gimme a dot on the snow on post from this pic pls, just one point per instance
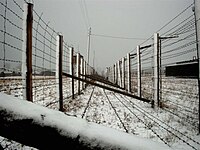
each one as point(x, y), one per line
point(27, 52)
point(59, 51)
point(45, 128)
point(139, 71)
point(156, 68)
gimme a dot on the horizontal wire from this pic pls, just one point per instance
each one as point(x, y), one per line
point(11, 11)
point(11, 22)
point(11, 46)
point(11, 35)
point(18, 6)
point(10, 60)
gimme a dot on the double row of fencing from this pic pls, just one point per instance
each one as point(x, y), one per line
point(52, 71)
point(32, 43)
point(45, 58)
point(164, 68)
point(34, 57)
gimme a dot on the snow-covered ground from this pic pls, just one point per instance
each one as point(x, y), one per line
point(87, 134)
point(175, 125)
point(138, 118)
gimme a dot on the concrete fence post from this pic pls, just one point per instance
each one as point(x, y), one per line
point(59, 53)
point(156, 69)
point(72, 69)
point(129, 72)
point(78, 72)
point(139, 71)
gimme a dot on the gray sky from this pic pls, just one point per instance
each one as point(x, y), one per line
point(121, 18)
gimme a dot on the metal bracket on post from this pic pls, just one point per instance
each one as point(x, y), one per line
point(139, 71)
point(59, 53)
point(27, 51)
point(78, 72)
point(156, 69)
point(72, 69)
point(129, 72)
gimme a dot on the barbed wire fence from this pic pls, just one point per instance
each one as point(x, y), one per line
point(143, 72)
point(42, 83)
point(164, 69)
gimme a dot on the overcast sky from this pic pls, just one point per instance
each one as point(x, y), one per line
point(121, 18)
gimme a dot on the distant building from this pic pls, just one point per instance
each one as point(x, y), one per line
point(184, 69)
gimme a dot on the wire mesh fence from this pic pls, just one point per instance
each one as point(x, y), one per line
point(165, 69)
point(44, 45)
point(45, 83)
point(11, 47)
point(178, 93)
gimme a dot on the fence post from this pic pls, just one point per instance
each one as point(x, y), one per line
point(197, 25)
point(119, 73)
point(116, 74)
point(156, 68)
point(27, 51)
point(72, 69)
point(129, 72)
point(85, 68)
point(59, 53)
point(82, 70)
point(78, 72)
point(139, 71)
point(120, 65)
point(123, 73)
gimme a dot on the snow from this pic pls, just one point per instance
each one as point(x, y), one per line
point(71, 126)
point(100, 111)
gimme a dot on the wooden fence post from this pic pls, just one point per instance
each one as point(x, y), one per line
point(72, 69)
point(78, 72)
point(139, 71)
point(156, 68)
point(59, 53)
point(27, 51)
point(129, 72)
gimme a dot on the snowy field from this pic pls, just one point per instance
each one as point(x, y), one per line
point(176, 124)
